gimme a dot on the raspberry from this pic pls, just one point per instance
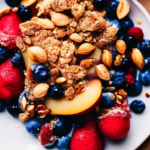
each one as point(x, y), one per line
point(131, 70)
point(137, 33)
point(129, 79)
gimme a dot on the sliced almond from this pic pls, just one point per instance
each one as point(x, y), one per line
point(40, 90)
point(123, 9)
point(45, 22)
point(59, 19)
point(29, 75)
point(76, 37)
point(24, 116)
point(85, 49)
point(121, 46)
point(24, 103)
point(103, 72)
point(107, 58)
point(60, 80)
point(138, 58)
point(38, 54)
point(5, 12)
point(27, 2)
point(30, 110)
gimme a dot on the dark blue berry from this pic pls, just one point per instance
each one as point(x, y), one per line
point(118, 80)
point(144, 77)
point(25, 13)
point(64, 143)
point(111, 9)
point(62, 126)
point(33, 126)
point(108, 100)
point(2, 105)
point(135, 89)
point(13, 3)
point(33, 66)
point(56, 91)
point(147, 63)
point(17, 59)
point(130, 41)
point(127, 23)
point(79, 120)
point(137, 106)
point(51, 145)
point(100, 4)
point(41, 73)
point(13, 108)
point(3, 54)
point(125, 64)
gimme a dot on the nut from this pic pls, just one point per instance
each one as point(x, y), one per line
point(59, 19)
point(40, 90)
point(121, 46)
point(119, 99)
point(138, 58)
point(27, 2)
point(107, 58)
point(30, 110)
point(29, 75)
point(60, 80)
point(38, 54)
point(123, 9)
point(42, 110)
point(85, 49)
point(24, 116)
point(24, 103)
point(76, 37)
point(102, 72)
point(122, 93)
point(118, 60)
point(46, 23)
point(5, 12)
point(110, 89)
point(87, 63)
point(15, 9)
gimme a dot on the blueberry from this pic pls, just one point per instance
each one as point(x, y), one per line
point(22, 94)
point(56, 91)
point(137, 106)
point(17, 59)
point(25, 13)
point(130, 41)
point(125, 63)
point(3, 54)
point(117, 23)
point(127, 23)
point(62, 125)
point(33, 66)
point(51, 145)
point(147, 63)
point(135, 89)
point(41, 73)
point(2, 105)
point(118, 80)
point(111, 9)
point(13, 108)
point(144, 47)
point(100, 4)
point(33, 126)
point(13, 3)
point(64, 143)
point(79, 120)
point(144, 77)
point(108, 100)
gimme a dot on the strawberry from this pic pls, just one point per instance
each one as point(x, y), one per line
point(87, 138)
point(114, 122)
point(137, 33)
point(11, 80)
point(45, 134)
point(9, 30)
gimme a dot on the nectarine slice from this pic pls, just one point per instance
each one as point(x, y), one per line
point(82, 103)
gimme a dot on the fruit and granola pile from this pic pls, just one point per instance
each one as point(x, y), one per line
point(72, 63)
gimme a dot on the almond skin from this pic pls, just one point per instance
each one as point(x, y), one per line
point(121, 46)
point(76, 37)
point(123, 9)
point(138, 58)
point(59, 19)
point(103, 72)
point(27, 2)
point(85, 49)
point(107, 58)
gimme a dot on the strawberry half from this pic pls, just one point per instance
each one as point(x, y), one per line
point(88, 137)
point(114, 122)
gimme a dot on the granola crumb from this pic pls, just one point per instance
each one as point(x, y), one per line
point(70, 93)
point(139, 22)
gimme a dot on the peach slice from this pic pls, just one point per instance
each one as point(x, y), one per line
point(82, 103)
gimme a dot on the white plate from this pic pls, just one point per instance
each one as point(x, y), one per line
point(19, 139)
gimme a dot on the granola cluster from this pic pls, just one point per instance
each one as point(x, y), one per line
point(59, 29)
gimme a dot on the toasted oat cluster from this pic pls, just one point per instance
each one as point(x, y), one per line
point(60, 28)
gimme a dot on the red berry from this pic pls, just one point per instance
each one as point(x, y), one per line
point(137, 33)
point(129, 79)
point(131, 70)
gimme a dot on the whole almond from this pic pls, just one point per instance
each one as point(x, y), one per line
point(103, 72)
point(123, 9)
point(29, 74)
point(107, 58)
point(138, 58)
point(85, 49)
point(38, 54)
point(59, 19)
point(76, 37)
point(40, 90)
point(121, 46)
point(24, 116)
